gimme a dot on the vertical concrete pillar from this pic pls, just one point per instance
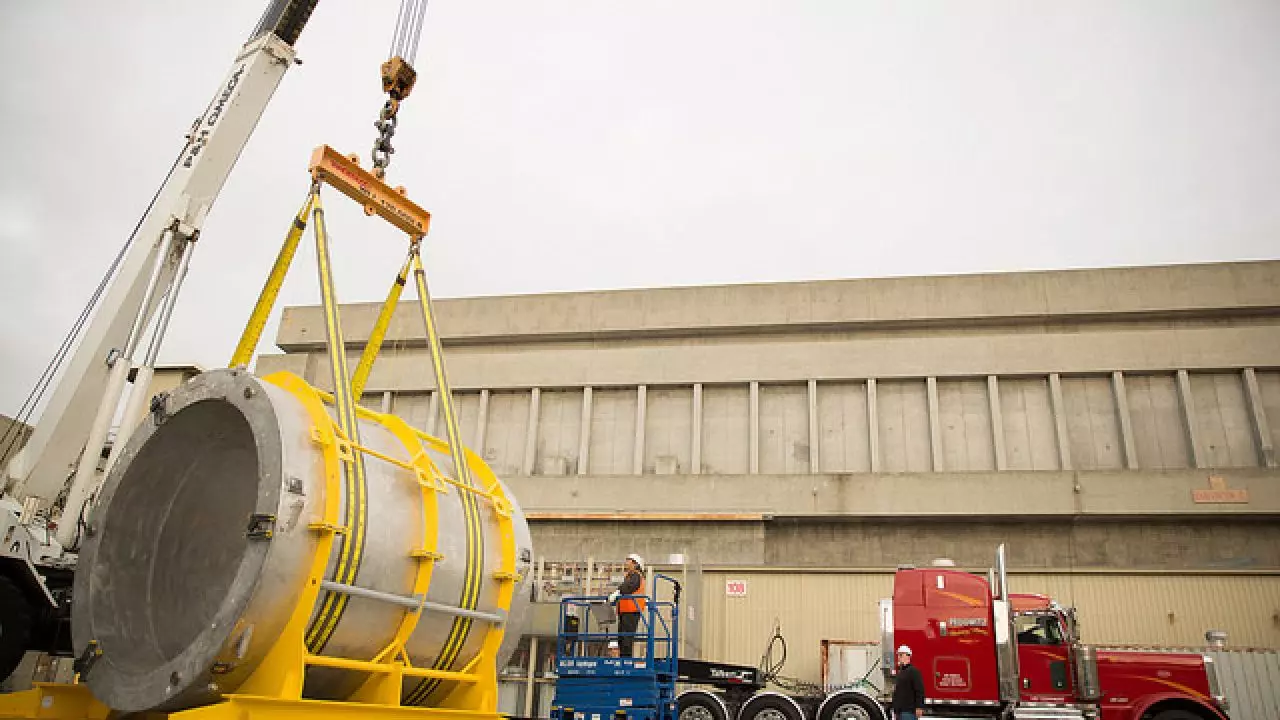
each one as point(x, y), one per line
point(1126, 421)
point(935, 423)
point(531, 434)
point(813, 427)
point(753, 441)
point(873, 426)
point(642, 403)
point(695, 432)
point(997, 422)
point(584, 432)
point(1189, 418)
point(386, 401)
point(1059, 421)
point(482, 423)
point(433, 412)
point(1258, 416)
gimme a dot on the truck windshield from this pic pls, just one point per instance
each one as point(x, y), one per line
point(1038, 630)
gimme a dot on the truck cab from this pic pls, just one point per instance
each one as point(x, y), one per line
point(984, 650)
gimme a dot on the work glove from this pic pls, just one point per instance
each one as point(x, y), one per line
point(613, 597)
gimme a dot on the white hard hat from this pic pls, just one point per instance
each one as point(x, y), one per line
point(639, 560)
point(904, 649)
point(613, 644)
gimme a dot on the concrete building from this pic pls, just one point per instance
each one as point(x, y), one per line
point(1116, 428)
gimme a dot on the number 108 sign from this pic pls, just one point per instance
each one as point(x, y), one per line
point(735, 588)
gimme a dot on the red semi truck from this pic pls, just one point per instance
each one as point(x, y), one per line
point(986, 652)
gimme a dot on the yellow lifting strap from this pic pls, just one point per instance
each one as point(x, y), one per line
point(271, 289)
point(437, 362)
point(374, 344)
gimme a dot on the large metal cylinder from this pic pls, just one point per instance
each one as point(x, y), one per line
point(206, 535)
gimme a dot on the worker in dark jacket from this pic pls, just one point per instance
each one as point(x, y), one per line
point(908, 692)
point(629, 608)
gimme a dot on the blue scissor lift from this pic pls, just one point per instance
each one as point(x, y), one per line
point(592, 686)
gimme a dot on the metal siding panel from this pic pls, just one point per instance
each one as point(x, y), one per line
point(1158, 430)
point(784, 429)
point(808, 608)
point(559, 421)
point(1222, 421)
point(613, 431)
point(504, 439)
point(1028, 424)
point(904, 426)
point(1092, 424)
point(667, 426)
point(842, 428)
point(724, 429)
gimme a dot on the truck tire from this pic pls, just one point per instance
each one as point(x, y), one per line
point(770, 706)
point(700, 705)
point(849, 705)
point(15, 627)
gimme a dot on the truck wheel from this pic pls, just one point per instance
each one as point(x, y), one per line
point(849, 706)
point(770, 706)
point(700, 705)
point(15, 627)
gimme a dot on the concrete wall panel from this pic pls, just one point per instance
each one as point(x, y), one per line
point(784, 429)
point(466, 406)
point(504, 440)
point(1222, 418)
point(724, 429)
point(613, 431)
point(1159, 430)
point(843, 427)
point(667, 434)
point(413, 408)
point(965, 425)
point(904, 426)
point(1269, 387)
point(1029, 436)
point(559, 423)
point(1092, 424)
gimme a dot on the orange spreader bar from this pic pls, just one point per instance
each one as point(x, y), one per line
point(345, 174)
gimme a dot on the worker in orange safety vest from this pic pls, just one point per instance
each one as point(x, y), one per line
point(629, 608)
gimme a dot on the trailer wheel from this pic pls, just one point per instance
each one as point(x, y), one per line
point(15, 627)
point(770, 706)
point(848, 705)
point(700, 705)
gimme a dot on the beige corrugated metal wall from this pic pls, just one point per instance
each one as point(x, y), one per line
point(1114, 609)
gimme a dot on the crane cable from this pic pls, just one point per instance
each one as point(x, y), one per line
point(404, 41)
point(398, 77)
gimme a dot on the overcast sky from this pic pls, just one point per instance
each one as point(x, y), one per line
point(592, 144)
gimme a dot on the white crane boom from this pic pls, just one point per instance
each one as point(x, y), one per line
point(69, 436)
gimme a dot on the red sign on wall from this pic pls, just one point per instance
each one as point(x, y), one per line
point(735, 588)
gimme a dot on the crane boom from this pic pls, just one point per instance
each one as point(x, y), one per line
point(214, 144)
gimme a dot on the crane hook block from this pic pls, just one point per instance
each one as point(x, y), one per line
point(398, 77)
